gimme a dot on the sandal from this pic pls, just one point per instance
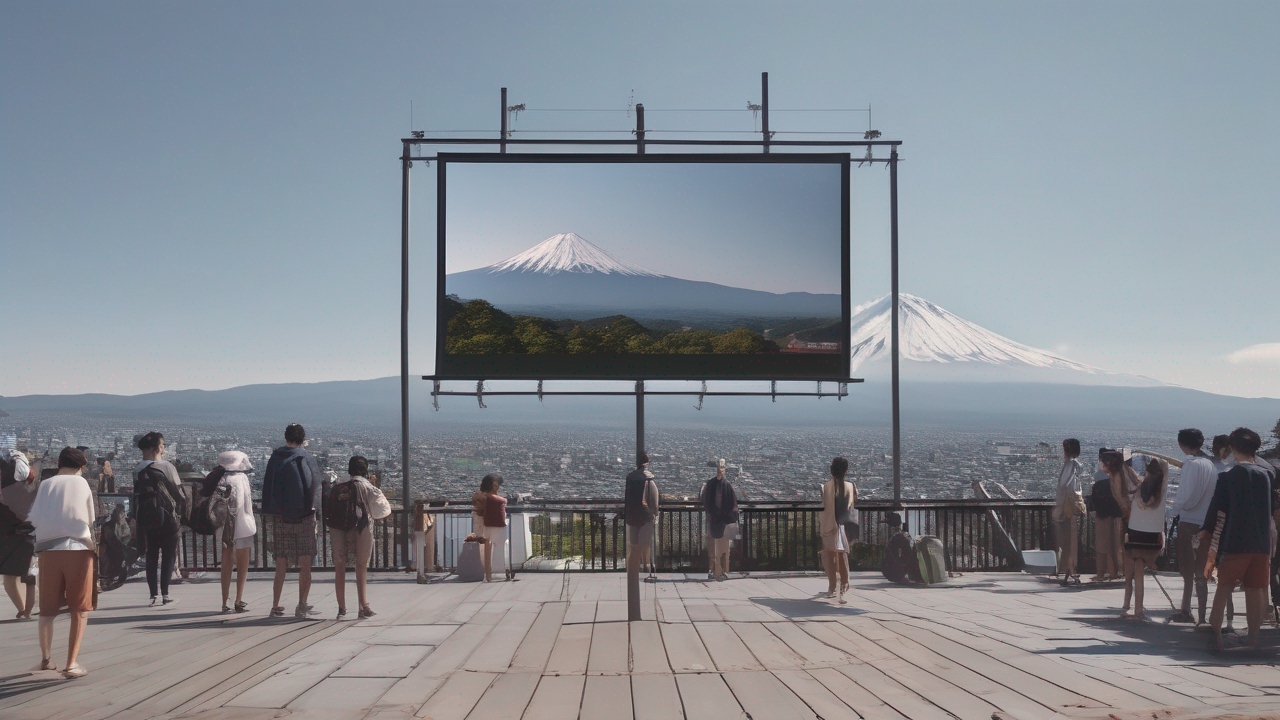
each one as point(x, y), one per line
point(277, 611)
point(44, 665)
point(226, 609)
point(241, 606)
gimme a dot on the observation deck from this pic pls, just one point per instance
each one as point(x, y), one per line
point(558, 646)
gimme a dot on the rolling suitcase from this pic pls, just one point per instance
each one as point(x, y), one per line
point(932, 559)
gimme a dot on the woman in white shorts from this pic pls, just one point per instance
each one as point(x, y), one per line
point(241, 526)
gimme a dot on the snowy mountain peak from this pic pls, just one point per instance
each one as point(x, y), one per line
point(568, 252)
point(928, 333)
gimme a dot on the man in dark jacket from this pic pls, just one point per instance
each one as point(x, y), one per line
point(292, 493)
point(1242, 505)
point(899, 554)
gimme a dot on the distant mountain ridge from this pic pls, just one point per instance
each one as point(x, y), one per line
point(568, 276)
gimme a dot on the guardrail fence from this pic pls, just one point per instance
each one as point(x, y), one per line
point(590, 536)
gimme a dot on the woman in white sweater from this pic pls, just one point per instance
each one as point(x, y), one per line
point(63, 516)
point(237, 539)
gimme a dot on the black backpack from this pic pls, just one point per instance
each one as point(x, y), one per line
point(636, 514)
point(343, 509)
point(157, 511)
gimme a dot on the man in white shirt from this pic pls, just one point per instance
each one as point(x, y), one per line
point(1195, 490)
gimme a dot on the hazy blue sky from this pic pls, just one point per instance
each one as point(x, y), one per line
point(206, 195)
point(750, 225)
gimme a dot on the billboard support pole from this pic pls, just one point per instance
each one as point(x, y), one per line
point(633, 567)
point(893, 270)
point(764, 109)
point(640, 129)
point(405, 164)
point(502, 144)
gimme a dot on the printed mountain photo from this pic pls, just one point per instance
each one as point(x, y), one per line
point(645, 298)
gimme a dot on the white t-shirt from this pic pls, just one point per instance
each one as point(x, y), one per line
point(1195, 489)
point(63, 514)
point(1148, 518)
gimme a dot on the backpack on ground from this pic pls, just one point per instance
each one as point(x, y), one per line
point(213, 513)
point(932, 560)
point(636, 514)
point(343, 509)
point(470, 566)
point(157, 510)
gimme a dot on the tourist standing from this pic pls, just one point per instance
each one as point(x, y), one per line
point(63, 517)
point(640, 511)
point(495, 525)
point(899, 552)
point(1108, 525)
point(1144, 530)
point(159, 504)
point(107, 478)
point(1195, 490)
point(1242, 500)
point(237, 537)
point(1222, 455)
point(721, 507)
point(1067, 510)
point(18, 485)
point(350, 510)
point(290, 491)
point(838, 499)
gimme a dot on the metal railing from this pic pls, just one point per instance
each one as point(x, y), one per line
point(591, 536)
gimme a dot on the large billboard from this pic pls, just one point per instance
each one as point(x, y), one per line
point(643, 266)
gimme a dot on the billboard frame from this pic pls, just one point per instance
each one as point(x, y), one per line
point(841, 160)
point(766, 142)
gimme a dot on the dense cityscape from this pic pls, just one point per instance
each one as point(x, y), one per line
point(579, 462)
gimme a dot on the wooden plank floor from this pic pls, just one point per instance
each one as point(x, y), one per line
point(551, 646)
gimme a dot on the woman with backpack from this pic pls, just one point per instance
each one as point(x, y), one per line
point(721, 507)
point(237, 536)
point(159, 504)
point(495, 522)
point(838, 498)
point(349, 511)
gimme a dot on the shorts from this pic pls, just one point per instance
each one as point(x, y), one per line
point(1140, 540)
point(1249, 569)
point(66, 579)
point(295, 540)
point(352, 542)
point(641, 535)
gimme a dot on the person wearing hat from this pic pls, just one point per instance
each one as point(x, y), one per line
point(237, 537)
point(899, 553)
point(722, 511)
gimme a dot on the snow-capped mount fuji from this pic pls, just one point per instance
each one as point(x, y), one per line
point(569, 252)
point(936, 344)
point(568, 276)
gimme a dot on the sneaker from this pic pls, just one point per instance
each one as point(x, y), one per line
point(241, 606)
point(166, 600)
point(226, 609)
point(342, 613)
point(305, 611)
point(277, 612)
point(75, 671)
point(1181, 617)
point(154, 601)
point(711, 576)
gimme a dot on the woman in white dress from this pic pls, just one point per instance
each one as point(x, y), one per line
point(838, 498)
